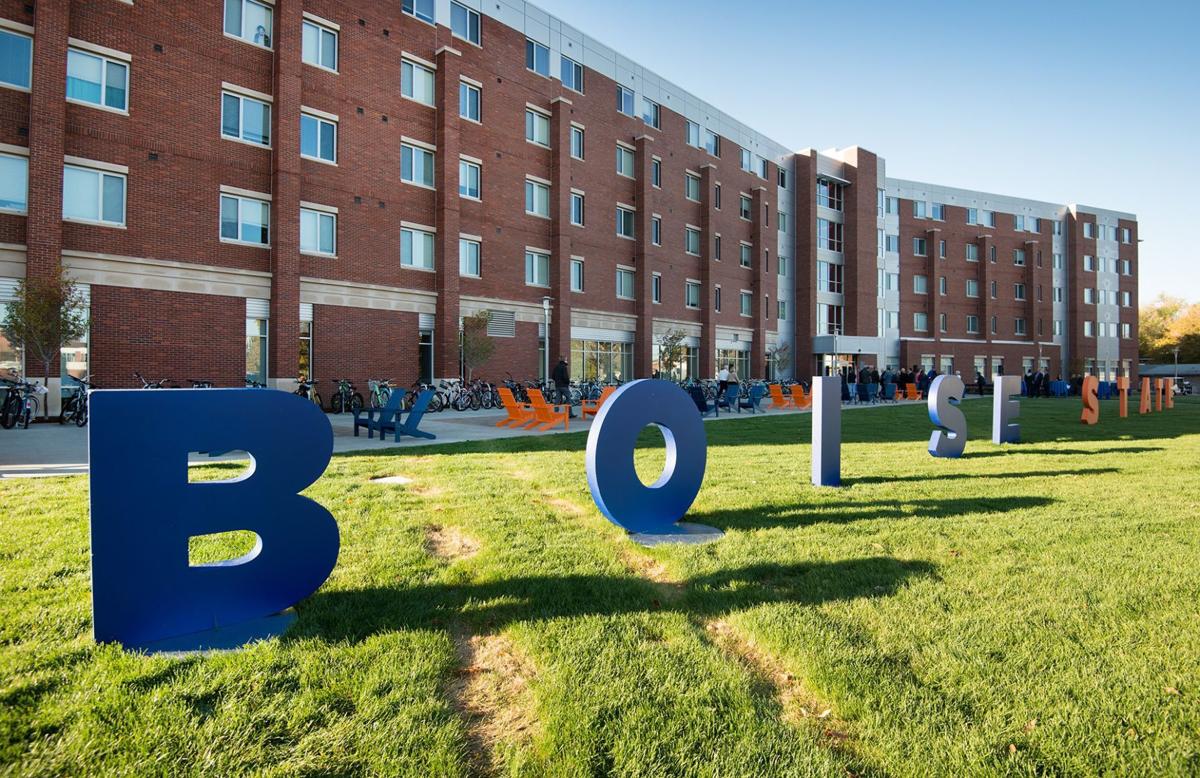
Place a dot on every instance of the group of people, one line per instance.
(1037, 384)
(918, 376)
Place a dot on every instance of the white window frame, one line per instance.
(417, 148)
(320, 212)
(242, 197)
(626, 97)
(469, 87)
(745, 303)
(268, 6)
(321, 118)
(688, 287)
(101, 170)
(540, 120)
(688, 233)
(19, 153)
(691, 183)
(428, 74)
(467, 165)
(656, 230)
(626, 214)
(18, 30)
(428, 237)
(566, 64)
(579, 197)
(537, 185)
(107, 57)
(469, 14)
(416, 14)
(322, 26)
(626, 153)
(577, 264)
(624, 271)
(541, 262)
(242, 95)
(464, 263)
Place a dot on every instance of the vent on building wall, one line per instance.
(8, 288)
(425, 321)
(502, 324)
(258, 309)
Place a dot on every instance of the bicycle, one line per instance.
(308, 390)
(150, 384)
(345, 398)
(29, 403)
(200, 383)
(77, 409)
(10, 407)
(252, 384)
(379, 392)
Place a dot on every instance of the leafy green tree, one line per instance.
(477, 345)
(671, 352)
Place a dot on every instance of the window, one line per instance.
(1018, 326)
(829, 277)
(97, 80)
(691, 294)
(920, 284)
(537, 58)
(625, 283)
(987, 218)
(469, 175)
(972, 216)
(920, 209)
(972, 287)
(249, 20)
(783, 185)
(830, 194)
(318, 231)
(576, 275)
(1057, 294)
(422, 9)
(416, 82)
(245, 119)
(1126, 267)
(920, 322)
(746, 160)
(783, 266)
(16, 59)
(829, 319)
(577, 208)
(537, 198)
(691, 241)
(937, 211)
(624, 222)
(245, 220)
(993, 290)
(919, 247)
(942, 286)
(416, 165)
(656, 173)
(470, 262)
(829, 235)
(712, 143)
(572, 75)
(744, 303)
(470, 98)
(625, 100)
(1018, 291)
(14, 183)
(691, 187)
(464, 23)
(1019, 223)
(972, 252)
(717, 248)
(693, 134)
(416, 248)
(1089, 230)
(1126, 330)
(537, 127)
(941, 249)
(656, 231)
(1089, 297)
(656, 288)
(91, 195)
(319, 45)
(1019, 257)
(1126, 299)
(537, 269)
(1058, 262)
(783, 222)
(744, 206)
(745, 254)
(577, 142)
(625, 162)
(1089, 263)
(892, 243)
(1060, 327)
(1126, 235)
(943, 322)
(994, 325)
(318, 138)
(1058, 228)
(651, 113)
(972, 324)
(781, 310)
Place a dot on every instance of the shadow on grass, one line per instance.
(1060, 452)
(883, 479)
(804, 515)
(355, 615)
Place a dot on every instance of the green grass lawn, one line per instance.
(1033, 609)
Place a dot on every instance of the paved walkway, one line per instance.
(50, 450)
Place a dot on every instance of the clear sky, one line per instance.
(1093, 102)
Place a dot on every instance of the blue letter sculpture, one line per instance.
(145, 594)
(619, 493)
(944, 396)
(1004, 410)
(827, 431)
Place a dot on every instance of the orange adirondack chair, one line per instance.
(778, 400)
(519, 414)
(592, 407)
(546, 415)
(911, 393)
(801, 399)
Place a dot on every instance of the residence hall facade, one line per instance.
(271, 188)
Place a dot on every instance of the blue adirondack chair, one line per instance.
(752, 399)
(412, 422)
(730, 400)
(379, 419)
(703, 405)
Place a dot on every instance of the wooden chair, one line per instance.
(592, 407)
(800, 397)
(519, 414)
(546, 415)
(778, 400)
(379, 419)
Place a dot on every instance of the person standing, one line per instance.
(980, 382)
(561, 375)
(723, 380)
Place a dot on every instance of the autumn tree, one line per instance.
(1168, 323)
(477, 345)
(671, 352)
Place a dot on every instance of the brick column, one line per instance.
(1032, 276)
(759, 235)
(447, 218)
(804, 264)
(933, 288)
(708, 322)
(561, 244)
(47, 131)
(986, 275)
(643, 348)
(861, 276)
(283, 343)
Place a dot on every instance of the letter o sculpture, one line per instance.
(619, 493)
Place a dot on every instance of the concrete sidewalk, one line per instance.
(54, 450)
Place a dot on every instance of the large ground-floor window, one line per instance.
(739, 359)
(305, 363)
(256, 350)
(599, 360)
(685, 367)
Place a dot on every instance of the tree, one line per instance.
(671, 352)
(477, 345)
(46, 312)
(781, 358)
(1168, 323)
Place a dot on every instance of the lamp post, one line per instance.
(546, 339)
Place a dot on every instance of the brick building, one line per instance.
(273, 187)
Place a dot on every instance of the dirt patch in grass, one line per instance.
(491, 692)
(799, 707)
(450, 543)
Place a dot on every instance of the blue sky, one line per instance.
(1089, 102)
